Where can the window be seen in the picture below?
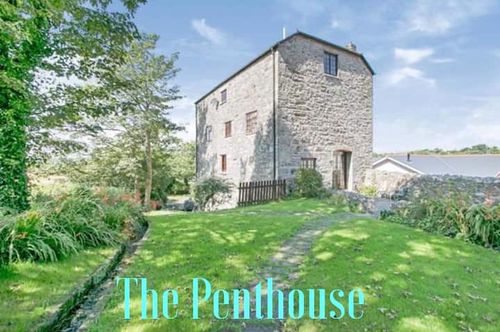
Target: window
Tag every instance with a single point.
(208, 134)
(227, 129)
(223, 163)
(330, 62)
(308, 163)
(251, 123)
(223, 96)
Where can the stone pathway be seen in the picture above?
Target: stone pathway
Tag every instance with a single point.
(285, 264)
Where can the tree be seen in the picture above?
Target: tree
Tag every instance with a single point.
(145, 96)
(183, 167)
(71, 38)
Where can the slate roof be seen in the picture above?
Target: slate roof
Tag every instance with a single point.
(468, 165)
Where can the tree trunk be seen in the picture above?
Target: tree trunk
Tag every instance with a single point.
(149, 172)
(137, 190)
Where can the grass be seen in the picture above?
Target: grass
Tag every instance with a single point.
(30, 292)
(412, 280)
(226, 247)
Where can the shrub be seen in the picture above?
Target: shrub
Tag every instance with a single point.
(309, 183)
(209, 192)
(453, 217)
(369, 191)
(65, 225)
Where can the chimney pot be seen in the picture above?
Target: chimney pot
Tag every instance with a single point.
(351, 46)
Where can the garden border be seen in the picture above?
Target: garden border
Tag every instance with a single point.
(66, 310)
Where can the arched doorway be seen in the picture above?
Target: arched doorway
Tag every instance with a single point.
(341, 174)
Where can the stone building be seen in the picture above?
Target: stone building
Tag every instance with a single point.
(304, 102)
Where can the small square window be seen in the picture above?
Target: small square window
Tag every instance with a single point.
(223, 163)
(251, 118)
(227, 129)
(223, 96)
(308, 163)
(330, 63)
(208, 134)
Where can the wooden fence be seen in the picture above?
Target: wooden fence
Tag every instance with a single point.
(261, 191)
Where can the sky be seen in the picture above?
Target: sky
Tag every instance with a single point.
(437, 63)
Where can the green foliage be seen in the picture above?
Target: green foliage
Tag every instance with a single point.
(309, 183)
(122, 164)
(370, 191)
(475, 149)
(183, 167)
(139, 153)
(82, 40)
(209, 192)
(453, 217)
(65, 225)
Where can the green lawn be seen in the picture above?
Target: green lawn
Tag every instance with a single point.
(30, 292)
(226, 247)
(412, 280)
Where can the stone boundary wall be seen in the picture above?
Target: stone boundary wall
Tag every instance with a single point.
(387, 183)
(478, 189)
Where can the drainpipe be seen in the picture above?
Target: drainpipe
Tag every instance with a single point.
(196, 141)
(273, 50)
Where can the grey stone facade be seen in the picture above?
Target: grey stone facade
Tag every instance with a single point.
(312, 115)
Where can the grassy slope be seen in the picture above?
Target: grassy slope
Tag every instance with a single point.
(29, 292)
(413, 281)
(420, 281)
(225, 247)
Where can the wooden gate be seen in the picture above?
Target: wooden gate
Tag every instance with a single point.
(261, 191)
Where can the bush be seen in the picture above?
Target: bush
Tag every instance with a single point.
(309, 183)
(65, 225)
(209, 192)
(453, 217)
(369, 191)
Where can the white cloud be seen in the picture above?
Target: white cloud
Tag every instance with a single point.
(412, 55)
(442, 60)
(438, 17)
(405, 73)
(340, 24)
(206, 31)
(335, 24)
(497, 53)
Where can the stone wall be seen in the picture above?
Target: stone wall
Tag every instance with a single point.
(479, 190)
(249, 157)
(319, 113)
(316, 114)
(387, 183)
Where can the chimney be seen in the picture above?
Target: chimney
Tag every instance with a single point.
(284, 32)
(351, 46)
(408, 157)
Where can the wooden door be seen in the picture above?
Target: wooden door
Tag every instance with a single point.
(341, 166)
